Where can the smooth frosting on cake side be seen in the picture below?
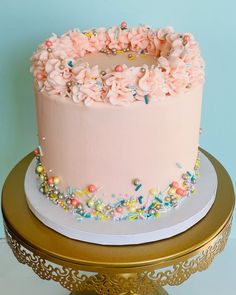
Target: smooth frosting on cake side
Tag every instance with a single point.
(111, 146)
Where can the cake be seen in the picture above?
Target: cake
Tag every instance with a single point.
(118, 116)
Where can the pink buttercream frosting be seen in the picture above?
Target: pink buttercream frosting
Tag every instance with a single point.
(58, 67)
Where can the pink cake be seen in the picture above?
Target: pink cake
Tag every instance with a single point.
(118, 114)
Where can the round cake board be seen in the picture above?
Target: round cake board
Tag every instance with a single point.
(169, 224)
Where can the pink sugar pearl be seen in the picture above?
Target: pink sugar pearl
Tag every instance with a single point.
(186, 38)
(92, 188)
(48, 43)
(74, 202)
(180, 191)
(39, 76)
(119, 209)
(119, 68)
(50, 180)
(123, 25)
(175, 184)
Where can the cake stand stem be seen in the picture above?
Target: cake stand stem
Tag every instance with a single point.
(158, 291)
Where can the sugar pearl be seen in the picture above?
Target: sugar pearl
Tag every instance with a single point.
(143, 70)
(174, 184)
(92, 188)
(48, 43)
(39, 169)
(119, 68)
(39, 76)
(171, 191)
(136, 181)
(103, 73)
(100, 207)
(186, 38)
(179, 191)
(56, 180)
(50, 180)
(132, 209)
(119, 209)
(123, 25)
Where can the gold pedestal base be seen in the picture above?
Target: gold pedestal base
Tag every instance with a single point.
(158, 291)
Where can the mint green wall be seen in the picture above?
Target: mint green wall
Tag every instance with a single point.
(24, 24)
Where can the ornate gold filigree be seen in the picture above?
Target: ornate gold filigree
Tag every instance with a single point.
(114, 284)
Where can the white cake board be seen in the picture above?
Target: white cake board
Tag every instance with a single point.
(169, 224)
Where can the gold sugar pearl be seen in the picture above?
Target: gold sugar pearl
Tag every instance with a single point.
(69, 84)
(103, 73)
(143, 70)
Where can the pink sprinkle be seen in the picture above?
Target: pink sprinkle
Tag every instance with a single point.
(119, 68)
(48, 43)
(123, 25)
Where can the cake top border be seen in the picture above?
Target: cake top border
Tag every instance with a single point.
(58, 70)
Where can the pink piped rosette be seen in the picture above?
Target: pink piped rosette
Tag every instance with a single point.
(58, 69)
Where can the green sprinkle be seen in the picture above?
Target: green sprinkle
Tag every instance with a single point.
(138, 187)
(146, 99)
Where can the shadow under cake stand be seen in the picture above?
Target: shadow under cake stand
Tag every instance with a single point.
(99, 269)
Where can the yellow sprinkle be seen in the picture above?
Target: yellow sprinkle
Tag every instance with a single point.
(88, 34)
(86, 191)
(80, 194)
(103, 217)
(157, 215)
(131, 58)
(94, 78)
(119, 51)
(133, 217)
(143, 55)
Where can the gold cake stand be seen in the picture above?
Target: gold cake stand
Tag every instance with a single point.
(85, 268)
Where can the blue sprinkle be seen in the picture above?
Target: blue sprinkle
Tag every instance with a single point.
(146, 99)
(138, 187)
(140, 199)
(178, 165)
(159, 200)
(167, 204)
(99, 84)
(87, 215)
(69, 190)
(70, 64)
(135, 93)
(113, 195)
(189, 173)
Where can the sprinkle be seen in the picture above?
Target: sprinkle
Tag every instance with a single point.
(159, 200)
(138, 187)
(140, 199)
(189, 173)
(70, 63)
(179, 165)
(146, 99)
(69, 190)
(99, 84)
(113, 195)
(88, 34)
(40, 150)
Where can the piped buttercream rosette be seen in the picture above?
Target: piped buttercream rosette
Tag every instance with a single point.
(58, 67)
